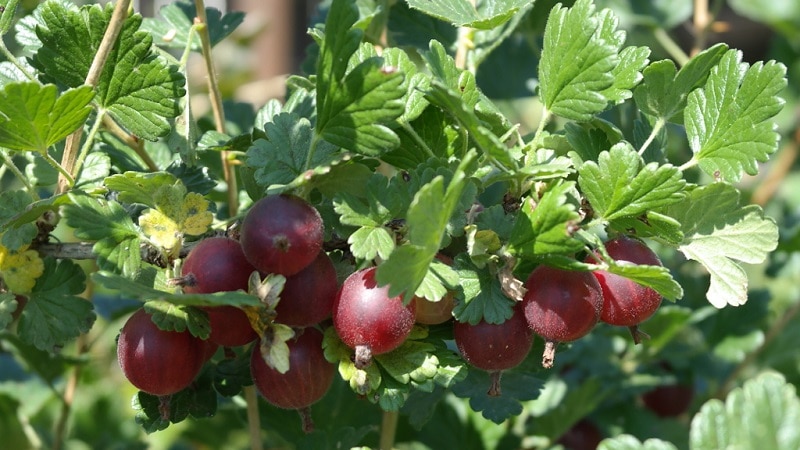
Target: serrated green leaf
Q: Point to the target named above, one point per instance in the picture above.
(34, 117)
(619, 184)
(655, 277)
(136, 87)
(8, 304)
(432, 133)
(718, 230)
(368, 242)
(284, 154)
(172, 317)
(481, 296)
(411, 361)
(55, 314)
(664, 90)
(516, 386)
(560, 405)
(763, 413)
(7, 15)
(354, 107)
(414, 82)
(651, 224)
(171, 30)
(628, 442)
(138, 187)
(463, 13)
(590, 40)
(627, 74)
(13, 203)
(117, 239)
(543, 227)
(728, 121)
(439, 280)
(361, 381)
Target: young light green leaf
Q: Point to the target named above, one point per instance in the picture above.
(137, 88)
(172, 29)
(138, 187)
(117, 239)
(413, 360)
(362, 381)
(34, 117)
(463, 13)
(628, 442)
(728, 121)
(619, 184)
(663, 91)
(273, 347)
(717, 230)
(655, 277)
(283, 155)
(763, 413)
(543, 227)
(55, 314)
(482, 297)
(370, 241)
(414, 82)
(589, 40)
(354, 107)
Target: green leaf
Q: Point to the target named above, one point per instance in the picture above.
(284, 154)
(627, 74)
(353, 109)
(628, 442)
(560, 405)
(763, 413)
(651, 224)
(8, 304)
(411, 361)
(655, 277)
(34, 117)
(728, 121)
(55, 314)
(136, 87)
(274, 349)
(619, 184)
(516, 386)
(172, 317)
(138, 187)
(482, 296)
(414, 82)
(368, 242)
(717, 230)
(543, 227)
(663, 91)
(13, 203)
(117, 239)
(588, 40)
(7, 15)
(463, 13)
(172, 29)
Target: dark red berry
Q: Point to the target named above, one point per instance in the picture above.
(625, 302)
(281, 234)
(155, 361)
(367, 319)
(670, 400)
(307, 297)
(215, 264)
(230, 326)
(584, 435)
(561, 306)
(494, 347)
(309, 377)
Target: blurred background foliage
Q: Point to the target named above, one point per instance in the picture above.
(600, 380)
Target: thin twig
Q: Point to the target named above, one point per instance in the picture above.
(92, 77)
(779, 169)
(702, 20)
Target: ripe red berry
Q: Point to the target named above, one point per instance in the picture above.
(625, 302)
(494, 347)
(309, 376)
(367, 319)
(307, 297)
(584, 435)
(281, 234)
(669, 401)
(155, 361)
(230, 326)
(434, 313)
(561, 306)
(215, 264)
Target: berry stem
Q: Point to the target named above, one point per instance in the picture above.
(388, 429)
(163, 406)
(638, 334)
(549, 354)
(305, 418)
(363, 357)
(253, 419)
(494, 388)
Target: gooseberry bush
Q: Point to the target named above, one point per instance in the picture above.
(379, 247)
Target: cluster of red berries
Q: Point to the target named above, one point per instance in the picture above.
(282, 234)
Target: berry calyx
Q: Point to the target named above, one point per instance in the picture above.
(309, 376)
(494, 347)
(156, 361)
(368, 320)
(561, 306)
(215, 264)
(307, 296)
(625, 302)
(281, 234)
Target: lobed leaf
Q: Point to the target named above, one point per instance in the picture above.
(717, 230)
(463, 13)
(481, 296)
(728, 121)
(12, 203)
(628, 442)
(172, 29)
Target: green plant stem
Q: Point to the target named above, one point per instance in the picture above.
(656, 129)
(672, 47)
(63, 172)
(688, 165)
(92, 77)
(253, 420)
(13, 60)
(87, 145)
(8, 164)
(216, 104)
(388, 429)
(546, 115)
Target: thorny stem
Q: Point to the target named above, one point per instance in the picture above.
(216, 105)
(8, 164)
(95, 70)
(388, 429)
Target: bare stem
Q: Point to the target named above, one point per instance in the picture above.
(388, 429)
(216, 105)
(702, 19)
(253, 419)
(73, 143)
